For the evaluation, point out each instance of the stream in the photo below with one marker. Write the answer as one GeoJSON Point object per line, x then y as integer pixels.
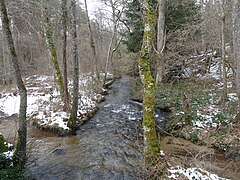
{"type": "Point", "coordinates": [108, 146]}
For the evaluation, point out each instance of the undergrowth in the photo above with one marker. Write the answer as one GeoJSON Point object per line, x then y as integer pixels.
{"type": "Point", "coordinates": [12, 173]}
{"type": "Point", "coordinates": [205, 104]}
{"type": "Point", "coordinates": [7, 171]}
{"type": "Point", "coordinates": [212, 118]}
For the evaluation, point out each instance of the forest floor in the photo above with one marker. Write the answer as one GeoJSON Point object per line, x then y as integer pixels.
{"type": "Point", "coordinates": [210, 143]}
{"type": "Point", "coordinates": [212, 138]}
{"type": "Point", "coordinates": [213, 120]}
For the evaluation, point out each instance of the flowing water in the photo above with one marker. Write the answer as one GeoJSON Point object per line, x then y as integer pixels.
{"type": "Point", "coordinates": [108, 146]}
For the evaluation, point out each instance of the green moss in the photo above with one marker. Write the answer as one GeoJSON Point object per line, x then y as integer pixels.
{"type": "Point", "coordinates": [19, 156]}
{"type": "Point", "coordinates": [152, 147]}
{"type": "Point", "coordinates": [72, 122]}
{"type": "Point", "coordinates": [194, 137]}
{"type": "Point", "coordinates": [4, 161]}
{"type": "Point", "coordinates": [12, 173]}
{"type": "Point", "coordinates": [148, 119]}
{"type": "Point", "coordinates": [3, 147]}
{"type": "Point", "coordinates": [14, 53]}
{"type": "Point", "coordinates": [53, 52]}
{"type": "Point", "coordinates": [150, 135]}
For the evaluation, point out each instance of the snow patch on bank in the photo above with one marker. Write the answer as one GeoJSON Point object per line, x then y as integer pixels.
{"type": "Point", "coordinates": [192, 173]}
{"type": "Point", "coordinates": [55, 118]}
{"type": "Point", "coordinates": [8, 154]}
{"type": "Point", "coordinates": [10, 103]}
{"type": "Point", "coordinates": [44, 103]}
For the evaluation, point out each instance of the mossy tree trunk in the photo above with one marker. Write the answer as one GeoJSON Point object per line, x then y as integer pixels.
{"type": "Point", "coordinates": [53, 53]}
{"type": "Point", "coordinates": [64, 55]}
{"type": "Point", "coordinates": [72, 122]}
{"type": "Point", "coordinates": [150, 136]}
{"type": "Point", "coordinates": [20, 153]}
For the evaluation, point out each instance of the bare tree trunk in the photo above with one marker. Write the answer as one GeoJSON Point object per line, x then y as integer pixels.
{"type": "Point", "coordinates": [7, 75]}
{"type": "Point", "coordinates": [53, 52]}
{"type": "Point", "coordinates": [160, 39]}
{"type": "Point", "coordinates": [110, 48]}
{"type": "Point", "coordinates": [186, 109]}
{"type": "Point", "coordinates": [72, 122]}
{"type": "Point", "coordinates": [224, 71]}
{"type": "Point", "coordinates": [92, 43]}
{"type": "Point", "coordinates": [150, 135]}
{"type": "Point", "coordinates": [64, 51]}
{"type": "Point", "coordinates": [100, 40]}
{"type": "Point", "coordinates": [161, 25]}
{"type": "Point", "coordinates": [20, 153]}
{"type": "Point", "coordinates": [236, 44]}
{"type": "Point", "coordinates": [5, 63]}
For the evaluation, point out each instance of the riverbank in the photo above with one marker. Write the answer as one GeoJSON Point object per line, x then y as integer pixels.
{"type": "Point", "coordinates": [213, 126]}
{"type": "Point", "coordinates": [45, 107]}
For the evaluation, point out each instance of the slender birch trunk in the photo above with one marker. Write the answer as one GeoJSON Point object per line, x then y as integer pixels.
{"type": "Point", "coordinates": [72, 122]}
{"type": "Point", "coordinates": [110, 48]}
{"type": "Point", "coordinates": [160, 39]}
{"type": "Point", "coordinates": [92, 43]}
{"type": "Point", "coordinates": [64, 51]}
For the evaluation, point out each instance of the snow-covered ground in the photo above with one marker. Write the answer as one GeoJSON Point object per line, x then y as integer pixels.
{"type": "Point", "coordinates": [44, 104]}
{"type": "Point", "coordinates": [208, 116]}
{"type": "Point", "coordinates": [192, 173]}
{"type": "Point", "coordinates": [9, 153]}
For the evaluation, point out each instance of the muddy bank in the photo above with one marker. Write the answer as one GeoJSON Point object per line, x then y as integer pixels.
{"type": "Point", "coordinates": [180, 152]}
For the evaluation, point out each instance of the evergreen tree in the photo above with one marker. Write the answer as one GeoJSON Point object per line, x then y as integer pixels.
{"type": "Point", "coordinates": [178, 14]}
{"type": "Point", "coordinates": [134, 21]}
